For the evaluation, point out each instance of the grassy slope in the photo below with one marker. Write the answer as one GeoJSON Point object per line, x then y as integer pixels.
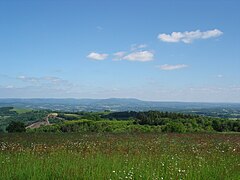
{"type": "Point", "coordinates": [107, 156]}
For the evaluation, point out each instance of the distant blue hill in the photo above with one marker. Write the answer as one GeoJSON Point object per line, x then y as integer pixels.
{"type": "Point", "coordinates": [114, 104]}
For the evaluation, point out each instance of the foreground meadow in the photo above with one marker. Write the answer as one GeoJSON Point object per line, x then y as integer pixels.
{"type": "Point", "coordinates": [119, 156]}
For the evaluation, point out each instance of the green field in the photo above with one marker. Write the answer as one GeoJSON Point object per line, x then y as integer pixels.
{"type": "Point", "coordinates": [119, 156]}
{"type": "Point", "coordinates": [21, 111]}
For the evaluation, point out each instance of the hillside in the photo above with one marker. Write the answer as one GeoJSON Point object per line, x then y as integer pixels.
{"type": "Point", "coordinates": [125, 121]}
{"type": "Point", "coordinates": [222, 110]}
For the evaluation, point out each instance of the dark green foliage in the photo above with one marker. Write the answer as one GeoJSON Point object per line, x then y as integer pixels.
{"type": "Point", "coordinates": [223, 125]}
{"type": "Point", "coordinates": [7, 111]}
{"type": "Point", "coordinates": [127, 121]}
{"type": "Point", "coordinates": [177, 122]}
{"type": "Point", "coordinates": [121, 115]}
{"type": "Point", "coordinates": [88, 126]}
{"type": "Point", "coordinates": [55, 120]}
{"type": "Point", "coordinates": [8, 115]}
{"type": "Point", "coordinates": [16, 126]}
{"type": "Point", "coordinates": [69, 116]}
{"type": "Point", "coordinates": [29, 117]}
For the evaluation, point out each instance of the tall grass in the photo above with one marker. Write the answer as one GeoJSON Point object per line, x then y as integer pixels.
{"type": "Point", "coordinates": [120, 156]}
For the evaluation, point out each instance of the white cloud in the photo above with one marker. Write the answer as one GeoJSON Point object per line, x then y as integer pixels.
{"type": "Point", "coordinates": [168, 67]}
{"type": "Point", "coordinates": [219, 76]}
{"type": "Point", "coordinates": [118, 55]}
{"type": "Point", "coordinates": [141, 56]}
{"type": "Point", "coordinates": [135, 47]}
{"type": "Point", "coordinates": [97, 56]}
{"type": "Point", "coordinates": [137, 52]}
{"type": "Point", "coordinates": [189, 36]}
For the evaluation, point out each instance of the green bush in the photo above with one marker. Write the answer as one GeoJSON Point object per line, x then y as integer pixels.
{"type": "Point", "coordinates": [16, 126]}
{"type": "Point", "coordinates": [175, 127]}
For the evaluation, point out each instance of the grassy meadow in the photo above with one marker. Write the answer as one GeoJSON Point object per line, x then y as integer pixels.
{"type": "Point", "coordinates": [119, 156]}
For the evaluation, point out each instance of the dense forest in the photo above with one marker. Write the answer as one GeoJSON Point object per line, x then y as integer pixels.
{"type": "Point", "coordinates": [172, 121]}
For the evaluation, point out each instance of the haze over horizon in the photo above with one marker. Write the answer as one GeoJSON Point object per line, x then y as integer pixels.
{"type": "Point", "coordinates": [152, 50]}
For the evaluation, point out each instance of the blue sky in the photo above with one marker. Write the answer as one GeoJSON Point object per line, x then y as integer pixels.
{"type": "Point", "coordinates": [151, 50]}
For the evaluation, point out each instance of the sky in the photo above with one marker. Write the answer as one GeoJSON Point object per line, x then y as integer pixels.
{"type": "Point", "coordinates": [158, 50]}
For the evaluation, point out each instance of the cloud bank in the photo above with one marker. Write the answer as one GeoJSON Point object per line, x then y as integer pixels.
{"type": "Point", "coordinates": [189, 36]}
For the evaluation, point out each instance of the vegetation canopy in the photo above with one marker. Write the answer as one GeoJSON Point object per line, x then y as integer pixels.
{"type": "Point", "coordinates": [13, 120]}
{"type": "Point", "coordinates": [16, 126]}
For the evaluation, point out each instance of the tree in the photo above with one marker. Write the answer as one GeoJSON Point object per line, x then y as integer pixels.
{"type": "Point", "coordinates": [175, 127]}
{"type": "Point", "coordinates": [16, 126]}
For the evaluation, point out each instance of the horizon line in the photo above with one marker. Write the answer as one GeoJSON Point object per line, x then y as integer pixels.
{"type": "Point", "coordinates": [165, 101]}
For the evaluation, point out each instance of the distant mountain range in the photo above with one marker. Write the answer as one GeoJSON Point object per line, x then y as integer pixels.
{"type": "Point", "coordinates": [113, 104]}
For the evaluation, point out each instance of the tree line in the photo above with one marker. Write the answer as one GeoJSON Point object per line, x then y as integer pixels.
{"type": "Point", "coordinates": [185, 122]}
{"type": "Point", "coordinates": [132, 121]}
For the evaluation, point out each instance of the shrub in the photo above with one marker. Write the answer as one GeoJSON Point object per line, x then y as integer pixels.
{"type": "Point", "coordinates": [16, 126]}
